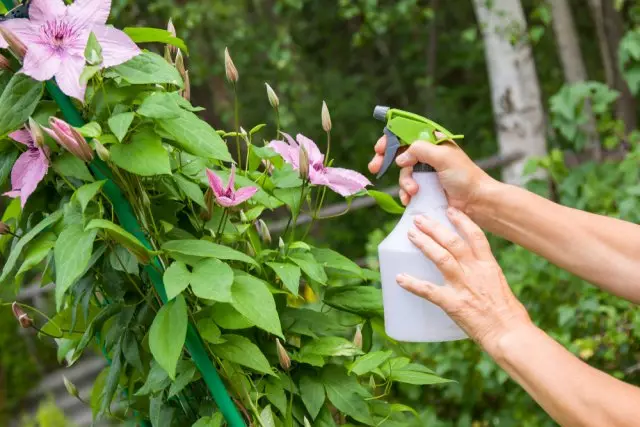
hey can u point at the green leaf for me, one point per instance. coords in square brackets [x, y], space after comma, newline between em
[97, 391]
[289, 196]
[209, 331]
[87, 192]
[64, 320]
[93, 50]
[343, 392]
[131, 351]
[252, 299]
[310, 266]
[195, 136]
[190, 189]
[215, 420]
[156, 380]
[144, 155]
[120, 123]
[88, 72]
[276, 395]
[331, 346]
[154, 35]
[212, 279]
[361, 300]
[289, 274]
[312, 393]
[70, 166]
[112, 380]
[240, 350]
[266, 417]
[72, 253]
[286, 177]
[122, 260]
[148, 68]
[160, 105]
[182, 380]
[176, 279]
[168, 333]
[123, 237]
[206, 249]
[36, 252]
[229, 318]
[386, 202]
[333, 259]
[90, 130]
[8, 157]
[369, 362]
[417, 375]
[18, 102]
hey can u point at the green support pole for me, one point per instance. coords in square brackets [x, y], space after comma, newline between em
[129, 222]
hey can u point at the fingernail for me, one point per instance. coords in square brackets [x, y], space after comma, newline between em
[400, 277]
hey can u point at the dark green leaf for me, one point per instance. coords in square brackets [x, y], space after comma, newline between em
[190, 189]
[176, 279]
[154, 35]
[160, 105]
[291, 197]
[8, 157]
[312, 393]
[168, 333]
[36, 252]
[70, 166]
[369, 362]
[367, 336]
[123, 237]
[251, 297]
[361, 300]
[386, 202]
[206, 249]
[309, 266]
[240, 350]
[97, 391]
[266, 417]
[120, 123]
[182, 380]
[18, 102]
[286, 177]
[228, 317]
[72, 253]
[112, 381]
[289, 274]
[212, 279]
[144, 155]
[156, 380]
[195, 136]
[148, 68]
[345, 394]
[276, 395]
[87, 192]
[122, 260]
[215, 420]
[416, 374]
[332, 259]
[331, 346]
[131, 351]
[95, 326]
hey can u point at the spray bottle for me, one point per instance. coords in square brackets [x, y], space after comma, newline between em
[408, 317]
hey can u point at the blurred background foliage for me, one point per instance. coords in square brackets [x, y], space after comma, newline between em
[424, 56]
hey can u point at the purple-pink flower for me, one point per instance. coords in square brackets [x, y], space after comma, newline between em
[228, 196]
[31, 166]
[56, 36]
[343, 181]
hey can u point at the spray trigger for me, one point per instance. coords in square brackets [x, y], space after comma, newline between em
[393, 144]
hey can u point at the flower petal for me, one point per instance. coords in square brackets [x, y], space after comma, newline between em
[315, 156]
[22, 136]
[117, 47]
[232, 179]
[68, 76]
[345, 181]
[27, 172]
[288, 153]
[26, 31]
[3, 43]
[41, 62]
[225, 201]
[46, 10]
[87, 12]
[243, 194]
[215, 183]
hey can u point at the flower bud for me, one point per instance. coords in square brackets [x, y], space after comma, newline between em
[357, 338]
[4, 229]
[172, 30]
[206, 214]
[273, 98]
[180, 64]
[283, 357]
[4, 63]
[186, 93]
[304, 163]
[243, 216]
[69, 138]
[263, 231]
[36, 133]
[229, 67]
[15, 45]
[21, 315]
[102, 151]
[71, 387]
[326, 118]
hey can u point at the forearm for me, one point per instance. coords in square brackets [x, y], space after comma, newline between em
[601, 250]
[570, 391]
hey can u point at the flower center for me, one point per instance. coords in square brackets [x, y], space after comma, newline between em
[56, 33]
[318, 167]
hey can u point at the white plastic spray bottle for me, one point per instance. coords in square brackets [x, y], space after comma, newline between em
[408, 317]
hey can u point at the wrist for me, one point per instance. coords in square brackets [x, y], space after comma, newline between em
[502, 346]
[485, 201]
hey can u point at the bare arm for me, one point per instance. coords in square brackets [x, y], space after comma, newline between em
[605, 251]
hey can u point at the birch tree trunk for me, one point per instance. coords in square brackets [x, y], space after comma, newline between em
[515, 92]
[573, 63]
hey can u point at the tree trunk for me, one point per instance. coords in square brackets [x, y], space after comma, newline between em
[573, 63]
[515, 92]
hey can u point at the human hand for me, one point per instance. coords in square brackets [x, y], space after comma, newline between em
[463, 181]
[476, 296]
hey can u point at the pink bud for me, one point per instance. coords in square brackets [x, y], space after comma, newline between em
[326, 117]
[23, 318]
[17, 47]
[283, 357]
[4, 63]
[303, 161]
[229, 67]
[36, 133]
[69, 138]
[186, 93]
[357, 338]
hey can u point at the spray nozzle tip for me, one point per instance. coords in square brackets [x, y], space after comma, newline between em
[380, 113]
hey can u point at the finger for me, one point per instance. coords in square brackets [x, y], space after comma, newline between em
[404, 197]
[375, 164]
[445, 237]
[473, 234]
[438, 295]
[407, 183]
[425, 152]
[381, 145]
[443, 259]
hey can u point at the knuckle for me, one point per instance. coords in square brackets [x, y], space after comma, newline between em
[443, 260]
[478, 236]
[455, 242]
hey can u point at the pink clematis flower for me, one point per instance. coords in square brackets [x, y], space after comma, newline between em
[343, 181]
[31, 166]
[56, 36]
[229, 196]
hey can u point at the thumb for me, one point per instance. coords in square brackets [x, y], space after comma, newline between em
[424, 289]
[424, 152]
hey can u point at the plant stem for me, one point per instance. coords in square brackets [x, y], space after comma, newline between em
[221, 224]
[237, 122]
[326, 156]
[277, 123]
